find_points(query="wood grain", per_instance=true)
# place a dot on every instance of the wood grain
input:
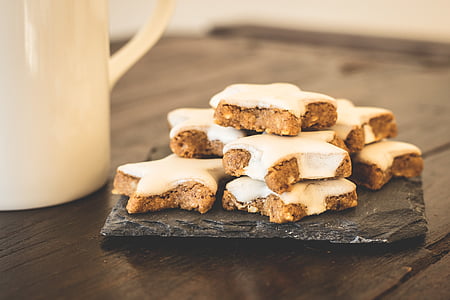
(433, 281)
(437, 206)
(57, 252)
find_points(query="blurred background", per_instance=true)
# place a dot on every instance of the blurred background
(408, 19)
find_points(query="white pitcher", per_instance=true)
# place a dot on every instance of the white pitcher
(55, 79)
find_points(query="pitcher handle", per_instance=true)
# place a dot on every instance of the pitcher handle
(141, 42)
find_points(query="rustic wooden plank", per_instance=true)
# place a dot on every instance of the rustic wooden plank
(171, 268)
(322, 38)
(170, 61)
(433, 283)
(293, 271)
(437, 195)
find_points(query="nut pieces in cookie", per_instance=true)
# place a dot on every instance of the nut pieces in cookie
(194, 134)
(277, 108)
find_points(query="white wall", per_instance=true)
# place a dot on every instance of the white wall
(415, 19)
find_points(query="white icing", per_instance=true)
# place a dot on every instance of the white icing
(323, 135)
(369, 136)
(159, 176)
(245, 189)
(366, 113)
(383, 153)
(224, 134)
(137, 170)
(276, 95)
(316, 158)
(347, 118)
(184, 119)
(343, 130)
(311, 194)
(179, 115)
(353, 117)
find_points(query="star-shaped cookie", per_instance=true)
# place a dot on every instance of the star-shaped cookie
(171, 182)
(377, 163)
(282, 161)
(362, 125)
(306, 198)
(194, 134)
(278, 108)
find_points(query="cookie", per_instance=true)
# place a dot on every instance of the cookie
(362, 125)
(306, 198)
(278, 108)
(194, 134)
(377, 163)
(282, 161)
(171, 182)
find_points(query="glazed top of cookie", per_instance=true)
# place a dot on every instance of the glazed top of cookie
(318, 158)
(312, 194)
(284, 96)
(351, 116)
(323, 135)
(383, 153)
(201, 119)
(159, 176)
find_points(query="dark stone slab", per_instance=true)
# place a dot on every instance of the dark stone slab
(394, 213)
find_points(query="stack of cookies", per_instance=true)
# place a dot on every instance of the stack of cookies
(375, 159)
(290, 151)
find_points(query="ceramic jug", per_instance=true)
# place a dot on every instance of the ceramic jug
(56, 74)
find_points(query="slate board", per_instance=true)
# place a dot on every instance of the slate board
(394, 213)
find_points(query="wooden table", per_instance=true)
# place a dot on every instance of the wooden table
(58, 253)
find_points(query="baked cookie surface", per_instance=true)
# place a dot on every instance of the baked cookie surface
(377, 163)
(305, 199)
(171, 182)
(278, 108)
(282, 161)
(194, 134)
